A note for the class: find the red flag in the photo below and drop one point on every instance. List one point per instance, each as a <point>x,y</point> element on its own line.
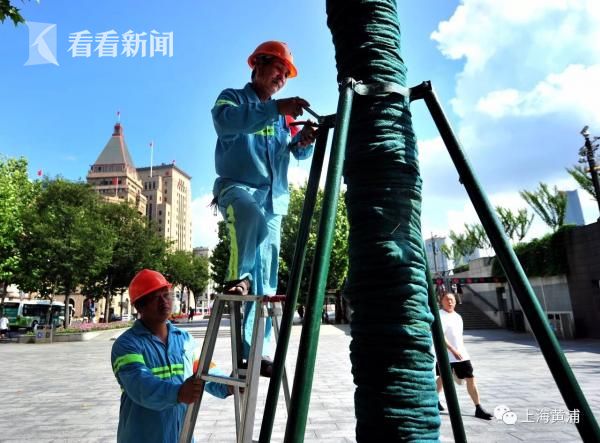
<point>39,173</point>
<point>293,129</point>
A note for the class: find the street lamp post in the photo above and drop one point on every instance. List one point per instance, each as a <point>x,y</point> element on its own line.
<point>590,149</point>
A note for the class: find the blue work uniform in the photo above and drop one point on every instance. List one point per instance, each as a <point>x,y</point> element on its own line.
<point>252,157</point>
<point>150,374</point>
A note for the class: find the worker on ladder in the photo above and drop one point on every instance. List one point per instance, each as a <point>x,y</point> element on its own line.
<point>153,362</point>
<point>251,191</point>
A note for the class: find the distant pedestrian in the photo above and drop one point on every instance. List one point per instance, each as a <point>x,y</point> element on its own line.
<point>3,326</point>
<point>452,324</point>
<point>153,362</point>
<point>190,314</point>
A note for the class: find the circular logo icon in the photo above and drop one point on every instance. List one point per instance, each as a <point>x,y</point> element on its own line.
<point>510,418</point>
<point>500,410</point>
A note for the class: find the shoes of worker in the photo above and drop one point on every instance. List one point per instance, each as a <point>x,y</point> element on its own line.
<point>237,287</point>
<point>266,367</point>
<point>482,413</point>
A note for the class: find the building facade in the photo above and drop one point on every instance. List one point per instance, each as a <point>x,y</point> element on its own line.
<point>169,200</point>
<point>113,174</point>
<point>438,262</point>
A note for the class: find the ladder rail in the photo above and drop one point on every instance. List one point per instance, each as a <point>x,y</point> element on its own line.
<point>208,347</point>
<point>252,375</point>
<point>236,339</point>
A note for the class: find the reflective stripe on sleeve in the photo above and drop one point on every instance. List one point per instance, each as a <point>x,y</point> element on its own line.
<point>168,371</point>
<point>127,359</point>
<point>267,130</point>
<point>222,102</point>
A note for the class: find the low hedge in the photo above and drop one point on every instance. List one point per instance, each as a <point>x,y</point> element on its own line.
<point>541,257</point>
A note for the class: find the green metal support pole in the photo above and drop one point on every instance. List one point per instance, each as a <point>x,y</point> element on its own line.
<point>557,363</point>
<point>441,352</point>
<point>291,299</point>
<point>309,338</point>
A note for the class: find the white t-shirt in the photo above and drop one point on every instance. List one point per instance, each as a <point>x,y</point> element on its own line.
<point>452,324</point>
<point>3,323</point>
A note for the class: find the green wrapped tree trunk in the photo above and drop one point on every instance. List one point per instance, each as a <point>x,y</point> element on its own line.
<point>391,348</point>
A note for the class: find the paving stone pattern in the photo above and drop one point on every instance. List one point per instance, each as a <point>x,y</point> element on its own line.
<point>65,392</point>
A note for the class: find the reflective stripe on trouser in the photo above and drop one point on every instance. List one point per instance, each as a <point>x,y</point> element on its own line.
<point>255,235</point>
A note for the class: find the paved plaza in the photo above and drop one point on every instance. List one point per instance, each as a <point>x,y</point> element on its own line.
<point>66,392</point>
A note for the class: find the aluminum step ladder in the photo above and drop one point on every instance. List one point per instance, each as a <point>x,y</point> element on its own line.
<point>244,381</point>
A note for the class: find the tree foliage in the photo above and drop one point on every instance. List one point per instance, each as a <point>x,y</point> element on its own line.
<point>461,246</point>
<point>516,225</point>
<point>338,266</point>
<point>16,192</point>
<point>199,278</point>
<point>583,179</point>
<point>190,271</point>
<point>136,246</point>
<point>8,10</point>
<point>541,257</point>
<point>219,259</point>
<point>64,241</point>
<point>549,206</point>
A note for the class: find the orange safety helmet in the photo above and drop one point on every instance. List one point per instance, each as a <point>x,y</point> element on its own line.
<point>146,282</point>
<point>275,49</point>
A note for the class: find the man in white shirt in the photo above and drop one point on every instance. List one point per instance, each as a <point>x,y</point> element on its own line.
<point>3,326</point>
<point>452,324</point>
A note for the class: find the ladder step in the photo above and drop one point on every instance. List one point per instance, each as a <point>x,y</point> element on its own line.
<point>230,381</point>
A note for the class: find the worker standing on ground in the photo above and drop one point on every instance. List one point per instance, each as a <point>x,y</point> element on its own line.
<point>153,362</point>
<point>460,362</point>
<point>251,191</point>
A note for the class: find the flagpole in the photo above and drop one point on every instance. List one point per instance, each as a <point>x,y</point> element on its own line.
<point>151,156</point>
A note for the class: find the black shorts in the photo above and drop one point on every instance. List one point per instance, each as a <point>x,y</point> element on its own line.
<point>462,369</point>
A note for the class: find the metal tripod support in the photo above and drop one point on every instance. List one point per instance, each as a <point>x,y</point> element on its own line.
<point>555,359</point>
<point>560,369</point>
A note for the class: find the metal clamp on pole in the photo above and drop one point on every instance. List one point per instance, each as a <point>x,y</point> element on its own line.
<point>380,88</point>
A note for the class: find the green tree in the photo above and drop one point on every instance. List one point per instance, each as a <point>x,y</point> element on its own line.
<point>7,10</point>
<point>516,225</point>
<point>178,269</point>
<point>136,246</point>
<point>583,179</point>
<point>64,241</point>
<point>16,191</point>
<point>199,278</point>
<point>338,266</point>
<point>461,246</point>
<point>219,259</point>
<point>549,206</point>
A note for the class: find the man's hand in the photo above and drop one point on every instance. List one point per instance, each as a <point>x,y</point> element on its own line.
<point>190,390</point>
<point>456,354</point>
<point>307,136</point>
<point>291,106</point>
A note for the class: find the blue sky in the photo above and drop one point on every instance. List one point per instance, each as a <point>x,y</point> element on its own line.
<point>516,79</point>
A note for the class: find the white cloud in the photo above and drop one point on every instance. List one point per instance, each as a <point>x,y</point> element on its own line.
<point>204,223</point>
<point>297,175</point>
<point>527,86</point>
<point>571,90</point>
